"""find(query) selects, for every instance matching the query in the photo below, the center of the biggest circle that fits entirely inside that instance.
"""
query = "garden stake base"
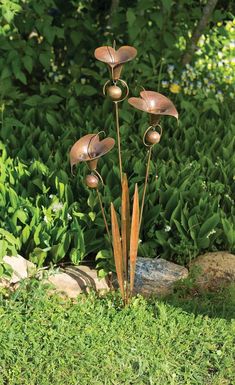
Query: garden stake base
(125, 244)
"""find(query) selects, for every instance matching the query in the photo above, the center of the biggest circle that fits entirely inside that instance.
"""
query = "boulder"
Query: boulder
(157, 276)
(77, 279)
(22, 268)
(214, 270)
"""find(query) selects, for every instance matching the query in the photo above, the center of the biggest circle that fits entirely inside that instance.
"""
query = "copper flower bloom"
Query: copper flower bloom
(88, 149)
(154, 103)
(115, 59)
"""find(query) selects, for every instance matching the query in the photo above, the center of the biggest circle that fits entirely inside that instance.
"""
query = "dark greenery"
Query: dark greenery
(44, 340)
(50, 87)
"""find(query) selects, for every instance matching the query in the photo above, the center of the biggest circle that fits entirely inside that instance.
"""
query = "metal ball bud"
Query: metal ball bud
(152, 137)
(114, 92)
(92, 181)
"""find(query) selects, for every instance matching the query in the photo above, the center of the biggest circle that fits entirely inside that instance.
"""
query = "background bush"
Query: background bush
(51, 94)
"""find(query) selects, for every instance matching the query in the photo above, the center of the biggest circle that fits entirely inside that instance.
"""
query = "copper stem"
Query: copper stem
(103, 213)
(145, 184)
(118, 138)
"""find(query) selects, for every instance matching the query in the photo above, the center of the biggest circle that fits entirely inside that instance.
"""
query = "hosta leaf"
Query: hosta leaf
(229, 231)
(152, 215)
(193, 226)
(180, 229)
(103, 254)
(161, 236)
(203, 243)
(209, 225)
(3, 248)
(28, 63)
(25, 234)
(38, 256)
(176, 213)
(14, 199)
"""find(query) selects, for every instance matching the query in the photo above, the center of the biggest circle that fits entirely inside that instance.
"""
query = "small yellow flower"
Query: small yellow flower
(175, 88)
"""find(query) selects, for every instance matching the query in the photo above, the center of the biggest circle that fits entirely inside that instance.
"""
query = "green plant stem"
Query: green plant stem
(118, 138)
(103, 214)
(145, 184)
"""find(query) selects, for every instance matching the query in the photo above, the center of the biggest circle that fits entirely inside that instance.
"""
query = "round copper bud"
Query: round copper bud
(92, 181)
(152, 137)
(114, 92)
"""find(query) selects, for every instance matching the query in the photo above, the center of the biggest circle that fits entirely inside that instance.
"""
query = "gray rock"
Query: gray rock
(77, 279)
(215, 269)
(22, 268)
(157, 276)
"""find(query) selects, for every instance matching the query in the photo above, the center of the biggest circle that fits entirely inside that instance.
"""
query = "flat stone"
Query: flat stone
(87, 278)
(22, 268)
(65, 284)
(215, 269)
(78, 279)
(157, 276)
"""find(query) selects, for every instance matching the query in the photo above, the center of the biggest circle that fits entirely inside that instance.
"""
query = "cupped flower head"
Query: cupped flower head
(115, 58)
(89, 149)
(154, 103)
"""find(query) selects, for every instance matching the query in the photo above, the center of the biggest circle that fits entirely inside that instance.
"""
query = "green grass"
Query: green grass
(47, 340)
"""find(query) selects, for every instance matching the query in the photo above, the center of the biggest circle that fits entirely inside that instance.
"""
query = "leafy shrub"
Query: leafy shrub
(208, 78)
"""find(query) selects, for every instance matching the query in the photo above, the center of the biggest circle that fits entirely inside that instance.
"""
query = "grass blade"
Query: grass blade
(117, 250)
(134, 238)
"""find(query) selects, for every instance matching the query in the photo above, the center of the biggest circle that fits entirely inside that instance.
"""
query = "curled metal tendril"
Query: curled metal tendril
(123, 83)
(146, 131)
(93, 137)
(99, 176)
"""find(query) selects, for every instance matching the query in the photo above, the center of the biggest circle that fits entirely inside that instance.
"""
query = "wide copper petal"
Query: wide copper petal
(126, 53)
(159, 104)
(112, 57)
(138, 103)
(80, 150)
(101, 148)
(107, 55)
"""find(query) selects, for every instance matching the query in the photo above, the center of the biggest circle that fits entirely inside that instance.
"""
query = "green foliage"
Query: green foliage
(44, 340)
(36, 221)
(50, 95)
(208, 78)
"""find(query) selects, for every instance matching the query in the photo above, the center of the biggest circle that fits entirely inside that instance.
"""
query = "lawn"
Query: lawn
(48, 340)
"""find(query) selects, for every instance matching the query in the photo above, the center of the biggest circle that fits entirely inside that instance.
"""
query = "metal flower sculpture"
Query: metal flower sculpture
(115, 58)
(90, 148)
(156, 105)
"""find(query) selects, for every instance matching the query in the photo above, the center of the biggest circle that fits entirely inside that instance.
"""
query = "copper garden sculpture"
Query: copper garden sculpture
(90, 148)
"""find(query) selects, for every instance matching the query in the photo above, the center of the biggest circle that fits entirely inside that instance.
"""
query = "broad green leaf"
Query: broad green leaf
(229, 231)
(38, 256)
(209, 225)
(103, 254)
(28, 63)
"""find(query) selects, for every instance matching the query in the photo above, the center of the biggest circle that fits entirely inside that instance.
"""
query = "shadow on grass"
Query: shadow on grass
(217, 304)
